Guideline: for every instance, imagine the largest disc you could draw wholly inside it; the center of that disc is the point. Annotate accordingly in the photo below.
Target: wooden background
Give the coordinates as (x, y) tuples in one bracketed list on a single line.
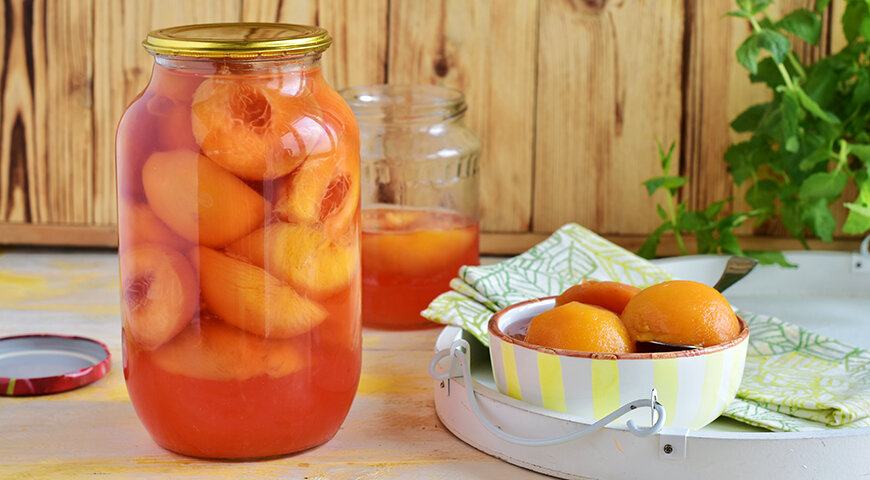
[(568, 97)]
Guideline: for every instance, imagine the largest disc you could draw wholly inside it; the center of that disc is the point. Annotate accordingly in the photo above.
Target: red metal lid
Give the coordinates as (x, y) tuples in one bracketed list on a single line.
[(41, 364)]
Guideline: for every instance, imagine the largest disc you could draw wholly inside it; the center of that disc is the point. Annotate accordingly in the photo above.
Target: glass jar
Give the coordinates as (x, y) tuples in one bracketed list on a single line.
[(238, 215), (420, 218)]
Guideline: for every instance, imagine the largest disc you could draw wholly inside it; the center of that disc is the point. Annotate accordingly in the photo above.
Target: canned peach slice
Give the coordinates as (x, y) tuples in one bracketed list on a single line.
[(250, 298), (137, 224), (613, 296), (159, 293), (251, 130), (199, 200), (213, 350), (320, 191), (300, 255)]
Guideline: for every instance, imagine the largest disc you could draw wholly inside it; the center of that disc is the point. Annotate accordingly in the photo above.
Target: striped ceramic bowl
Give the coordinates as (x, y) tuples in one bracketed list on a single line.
[(694, 386)]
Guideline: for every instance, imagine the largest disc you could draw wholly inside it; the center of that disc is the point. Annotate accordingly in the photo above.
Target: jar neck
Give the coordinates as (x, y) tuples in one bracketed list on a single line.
[(242, 66), (405, 104)]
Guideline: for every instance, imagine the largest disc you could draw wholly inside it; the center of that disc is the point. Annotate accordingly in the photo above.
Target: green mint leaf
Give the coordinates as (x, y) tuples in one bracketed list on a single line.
[(854, 16), (821, 5), (665, 158), (820, 155), (811, 106), (694, 221), (762, 195), (729, 243), (745, 5), (767, 72), (670, 183), (819, 218), (791, 219), (858, 220), (803, 24), (651, 244), (825, 186), (774, 42), (739, 14), (714, 209), (758, 6), (750, 118), (738, 156), (769, 257), (861, 93), (706, 242), (822, 82), (661, 212), (747, 53), (862, 151), (791, 111)]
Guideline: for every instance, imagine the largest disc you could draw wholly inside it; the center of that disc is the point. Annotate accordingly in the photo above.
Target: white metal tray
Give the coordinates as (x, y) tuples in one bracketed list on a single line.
[(829, 293)]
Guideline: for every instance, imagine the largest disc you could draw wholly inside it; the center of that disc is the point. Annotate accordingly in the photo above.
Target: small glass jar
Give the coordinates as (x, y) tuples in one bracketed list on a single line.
[(238, 215), (420, 218)]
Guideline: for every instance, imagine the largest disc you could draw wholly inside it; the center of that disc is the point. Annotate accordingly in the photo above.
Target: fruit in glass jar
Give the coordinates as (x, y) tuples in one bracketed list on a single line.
[(160, 293), (610, 295), (252, 129), (248, 297), (210, 349), (199, 200), (321, 191), (300, 255), (137, 224), (681, 312), (580, 327)]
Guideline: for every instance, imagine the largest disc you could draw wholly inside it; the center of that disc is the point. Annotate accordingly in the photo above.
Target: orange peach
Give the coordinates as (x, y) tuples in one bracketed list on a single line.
[(248, 297), (323, 189), (137, 224), (201, 201), (301, 256), (159, 294), (580, 327), (213, 350), (610, 295), (252, 128)]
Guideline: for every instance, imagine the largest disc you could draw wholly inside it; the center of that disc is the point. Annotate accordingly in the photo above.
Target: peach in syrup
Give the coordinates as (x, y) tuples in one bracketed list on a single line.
[(300, 255), (249, 298), (160, 293), (199, 200)]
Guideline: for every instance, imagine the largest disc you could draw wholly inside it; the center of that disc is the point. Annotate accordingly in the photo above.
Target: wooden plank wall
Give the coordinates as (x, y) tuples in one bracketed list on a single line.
[(567, 96)]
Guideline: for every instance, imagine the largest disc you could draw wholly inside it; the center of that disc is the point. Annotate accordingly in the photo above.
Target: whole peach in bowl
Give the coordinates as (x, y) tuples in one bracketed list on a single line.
[(694, 386)]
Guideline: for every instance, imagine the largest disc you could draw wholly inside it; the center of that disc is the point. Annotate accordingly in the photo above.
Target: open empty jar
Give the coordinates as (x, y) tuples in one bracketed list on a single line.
[(419, 196)]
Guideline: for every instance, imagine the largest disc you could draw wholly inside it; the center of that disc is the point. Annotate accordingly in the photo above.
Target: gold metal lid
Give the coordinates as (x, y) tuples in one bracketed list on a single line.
[(217, 40)]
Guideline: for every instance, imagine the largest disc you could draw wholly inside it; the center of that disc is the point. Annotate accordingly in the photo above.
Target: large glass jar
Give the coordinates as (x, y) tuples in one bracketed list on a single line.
[(238, 191), (419, 196)]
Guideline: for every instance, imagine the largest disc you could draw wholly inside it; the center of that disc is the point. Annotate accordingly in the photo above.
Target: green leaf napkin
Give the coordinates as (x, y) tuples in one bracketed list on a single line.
[(793, 380), (796, 380)]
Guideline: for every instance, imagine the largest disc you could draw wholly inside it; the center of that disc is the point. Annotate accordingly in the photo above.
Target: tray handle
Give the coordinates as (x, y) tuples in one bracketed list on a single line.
[(460, 367)]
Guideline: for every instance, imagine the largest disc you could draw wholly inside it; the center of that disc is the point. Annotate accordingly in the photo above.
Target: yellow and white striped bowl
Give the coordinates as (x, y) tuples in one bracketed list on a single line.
[(694, 386)]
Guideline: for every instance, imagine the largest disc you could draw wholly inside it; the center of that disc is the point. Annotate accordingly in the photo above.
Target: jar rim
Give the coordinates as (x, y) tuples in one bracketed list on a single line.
[(404, 102), (237, 39)]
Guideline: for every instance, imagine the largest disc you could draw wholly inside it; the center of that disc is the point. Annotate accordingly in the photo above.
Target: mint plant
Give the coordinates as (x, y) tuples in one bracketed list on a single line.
[(806, 144)]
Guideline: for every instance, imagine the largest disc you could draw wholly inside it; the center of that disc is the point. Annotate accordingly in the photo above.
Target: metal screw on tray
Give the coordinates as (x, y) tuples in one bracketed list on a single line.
[(736, 268)]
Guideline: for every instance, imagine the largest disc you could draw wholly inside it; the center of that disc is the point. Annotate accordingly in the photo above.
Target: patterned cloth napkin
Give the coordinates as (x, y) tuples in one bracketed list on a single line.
[(793, 380)]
